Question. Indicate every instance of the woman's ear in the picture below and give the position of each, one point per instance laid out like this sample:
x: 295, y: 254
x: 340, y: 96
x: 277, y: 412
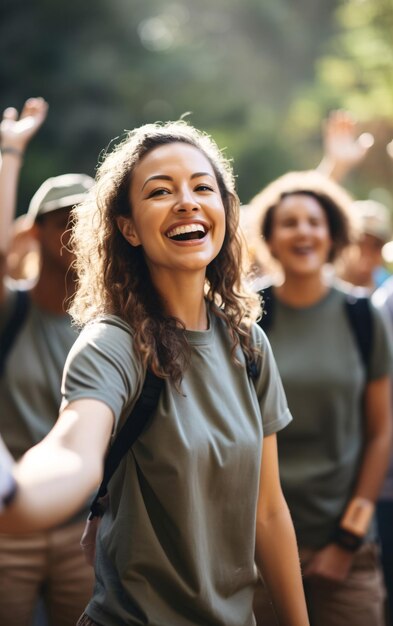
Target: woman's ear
x: 127, y: 229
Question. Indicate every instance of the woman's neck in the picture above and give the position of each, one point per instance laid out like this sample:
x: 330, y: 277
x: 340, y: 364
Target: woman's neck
x: 183, y: 297
x: 299, y: 291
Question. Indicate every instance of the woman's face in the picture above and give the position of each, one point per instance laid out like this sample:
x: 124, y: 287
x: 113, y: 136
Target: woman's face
x: 177, y: 216
x: 300, y: 238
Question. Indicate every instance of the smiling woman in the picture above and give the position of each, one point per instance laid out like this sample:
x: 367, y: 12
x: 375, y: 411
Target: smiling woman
x: 169, y: 212
x: 334, y: 455
x: 197, y: 499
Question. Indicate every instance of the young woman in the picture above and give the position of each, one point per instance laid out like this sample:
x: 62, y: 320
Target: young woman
x: 334, y: 455
x: 198, y: 497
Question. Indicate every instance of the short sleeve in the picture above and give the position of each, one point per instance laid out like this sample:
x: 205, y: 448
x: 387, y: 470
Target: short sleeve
x: 269, y: 389
x: 102, y: 366
x: 381, y: 363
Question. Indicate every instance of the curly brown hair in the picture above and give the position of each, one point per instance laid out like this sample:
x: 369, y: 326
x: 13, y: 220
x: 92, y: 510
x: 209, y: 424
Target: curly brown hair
x: 334, y: 200
x: 113, y: 276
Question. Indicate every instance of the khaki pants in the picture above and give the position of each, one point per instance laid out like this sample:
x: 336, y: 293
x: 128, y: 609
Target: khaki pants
x: 51, y: 563
x: 358, y: 601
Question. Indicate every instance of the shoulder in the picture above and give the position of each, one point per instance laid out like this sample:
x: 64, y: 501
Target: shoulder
x: 103, y: 365
x: 356, y: 301
x: 106, y: 326
x: 108, y: 340
x: 259, y: 339
x: 265, y: 361
x: 383, y: 296
x: 346, y: 291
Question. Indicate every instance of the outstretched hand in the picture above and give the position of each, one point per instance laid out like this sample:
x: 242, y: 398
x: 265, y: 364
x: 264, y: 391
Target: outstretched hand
x: 342, y: 145
x: 17, y: 131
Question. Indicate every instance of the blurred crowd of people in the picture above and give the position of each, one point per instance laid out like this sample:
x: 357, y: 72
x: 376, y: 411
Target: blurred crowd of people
x: 317, y: 262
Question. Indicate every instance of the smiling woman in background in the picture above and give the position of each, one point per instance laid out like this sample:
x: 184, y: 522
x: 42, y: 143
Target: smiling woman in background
x: 334, y: 455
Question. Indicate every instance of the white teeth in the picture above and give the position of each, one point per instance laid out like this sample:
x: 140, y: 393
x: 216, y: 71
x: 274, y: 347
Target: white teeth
x: 303, y: 249
x: 186, y: 228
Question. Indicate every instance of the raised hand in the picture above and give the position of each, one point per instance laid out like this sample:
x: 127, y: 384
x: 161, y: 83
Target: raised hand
x: 17, y: 131
x: 342, y: 145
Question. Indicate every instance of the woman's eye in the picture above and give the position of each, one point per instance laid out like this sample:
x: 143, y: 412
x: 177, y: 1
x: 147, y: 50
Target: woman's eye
x: 158, y: 192
x: 203, y: 188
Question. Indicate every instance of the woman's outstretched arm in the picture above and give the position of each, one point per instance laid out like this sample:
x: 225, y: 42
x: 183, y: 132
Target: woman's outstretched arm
x: 55, y: 477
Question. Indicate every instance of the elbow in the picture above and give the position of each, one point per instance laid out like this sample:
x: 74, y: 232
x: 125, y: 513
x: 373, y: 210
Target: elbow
x: 272, y: 517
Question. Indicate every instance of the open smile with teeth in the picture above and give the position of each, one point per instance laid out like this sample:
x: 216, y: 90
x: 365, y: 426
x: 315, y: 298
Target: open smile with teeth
x: 187, y: 232
x: 303, y: 249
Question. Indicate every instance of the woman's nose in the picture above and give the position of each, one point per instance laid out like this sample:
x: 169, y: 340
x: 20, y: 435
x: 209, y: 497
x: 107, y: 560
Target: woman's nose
x: 303, y: 227
x: 186, y: 202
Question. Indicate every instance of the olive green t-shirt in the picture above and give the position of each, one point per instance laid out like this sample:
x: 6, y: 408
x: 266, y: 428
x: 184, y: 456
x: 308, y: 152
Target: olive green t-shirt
x: 30, y: 388
x: 324, y: 379
x: 176, y: 547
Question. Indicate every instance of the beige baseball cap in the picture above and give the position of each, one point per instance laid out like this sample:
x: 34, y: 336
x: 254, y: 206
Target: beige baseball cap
x: 374, y: 219
x: 59, y: 192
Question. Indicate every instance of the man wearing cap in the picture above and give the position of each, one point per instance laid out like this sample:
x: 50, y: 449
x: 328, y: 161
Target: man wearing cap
x: 49, y: 563
x: 362, y: 264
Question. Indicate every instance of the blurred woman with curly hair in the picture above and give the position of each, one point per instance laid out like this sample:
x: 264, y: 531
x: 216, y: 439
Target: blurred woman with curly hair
x: 333, y: 354
x: 197, y: 499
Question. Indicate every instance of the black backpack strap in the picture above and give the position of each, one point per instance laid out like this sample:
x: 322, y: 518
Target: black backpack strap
x: 361, y: 321
x: 267, y: 309
x: 128, y: 434
x: 358, y: 310
x: 265, y: 322
x: 13, y: 326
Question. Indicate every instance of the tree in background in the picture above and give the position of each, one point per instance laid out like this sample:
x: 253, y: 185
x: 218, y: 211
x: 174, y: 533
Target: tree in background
x: 355, y: 73
x: 254, y: 73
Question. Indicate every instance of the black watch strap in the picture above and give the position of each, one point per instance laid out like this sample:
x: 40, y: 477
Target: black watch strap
x: 347, y: 540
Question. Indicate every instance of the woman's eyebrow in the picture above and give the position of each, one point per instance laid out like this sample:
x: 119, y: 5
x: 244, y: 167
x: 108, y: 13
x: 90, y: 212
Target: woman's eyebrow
x: 156, y: 177
x: 198, y: 174
x: 166, y: 177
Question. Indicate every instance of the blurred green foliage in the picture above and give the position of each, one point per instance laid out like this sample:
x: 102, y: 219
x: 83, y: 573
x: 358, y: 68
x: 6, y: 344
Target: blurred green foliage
x: 260, y: 75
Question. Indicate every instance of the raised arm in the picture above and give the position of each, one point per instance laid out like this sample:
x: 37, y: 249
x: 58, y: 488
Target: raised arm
x: 343, y: 148
x: 15, y: 135
x: 276, y: 550
x: 55, y: 477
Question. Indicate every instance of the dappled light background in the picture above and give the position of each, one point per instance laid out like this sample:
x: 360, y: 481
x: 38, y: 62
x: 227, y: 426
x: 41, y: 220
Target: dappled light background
x: 260, y: 75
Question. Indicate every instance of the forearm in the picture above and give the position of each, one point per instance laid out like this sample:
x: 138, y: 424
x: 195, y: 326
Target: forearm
x: 16, y: 132
x: 374, y: 466
x: 360, y: 508
x: 376, y: 448
x: 278, y: 560
x: 9, y: 178
x: 53, y: 483
x: 333, y: 169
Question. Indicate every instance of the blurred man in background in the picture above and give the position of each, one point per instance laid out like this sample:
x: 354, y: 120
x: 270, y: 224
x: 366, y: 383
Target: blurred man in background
x: 36, y: 335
